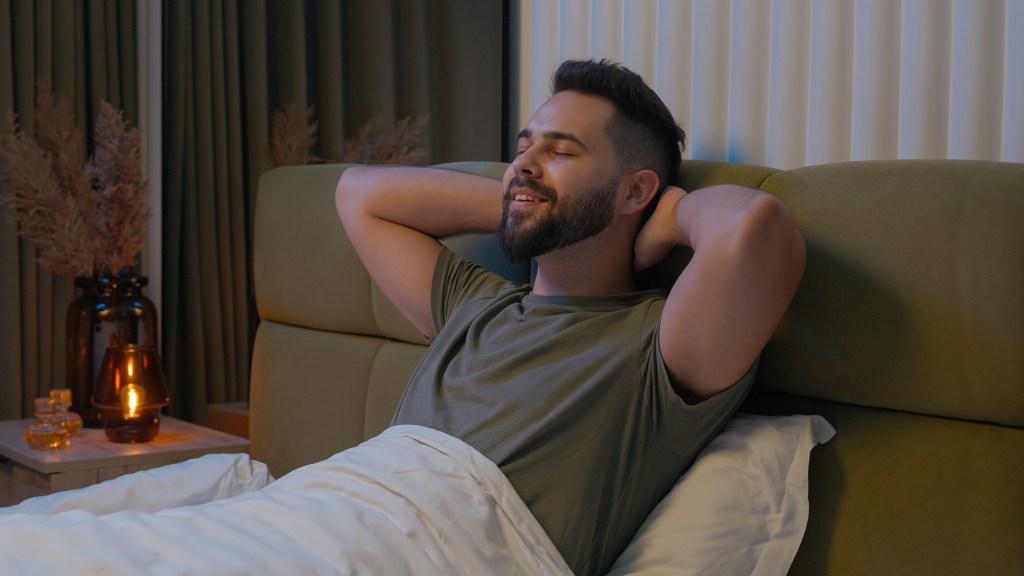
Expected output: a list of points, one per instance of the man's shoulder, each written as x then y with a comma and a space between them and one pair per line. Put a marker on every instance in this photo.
458, 281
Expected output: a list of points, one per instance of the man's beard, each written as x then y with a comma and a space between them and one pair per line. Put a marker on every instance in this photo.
523, 235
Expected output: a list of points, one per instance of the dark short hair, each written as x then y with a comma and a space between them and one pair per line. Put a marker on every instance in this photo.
644, 133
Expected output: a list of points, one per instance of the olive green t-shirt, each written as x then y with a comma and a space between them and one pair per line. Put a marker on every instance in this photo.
569, 396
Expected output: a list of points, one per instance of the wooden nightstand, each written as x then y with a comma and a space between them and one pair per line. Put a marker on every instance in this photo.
91, 458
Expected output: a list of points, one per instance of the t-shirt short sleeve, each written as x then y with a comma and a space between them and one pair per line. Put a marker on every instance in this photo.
458, 280
686, 425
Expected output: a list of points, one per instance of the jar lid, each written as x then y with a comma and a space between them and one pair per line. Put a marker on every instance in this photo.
44, 405
62, 396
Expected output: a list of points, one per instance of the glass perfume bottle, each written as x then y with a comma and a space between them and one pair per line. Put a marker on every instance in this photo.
45, 434
62, 411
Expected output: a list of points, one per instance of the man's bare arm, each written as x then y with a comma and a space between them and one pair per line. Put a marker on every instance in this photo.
394, 215
748, 259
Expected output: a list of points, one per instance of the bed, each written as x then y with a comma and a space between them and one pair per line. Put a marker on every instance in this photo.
410, 500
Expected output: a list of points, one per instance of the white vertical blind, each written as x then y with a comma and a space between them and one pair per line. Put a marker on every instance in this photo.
674, 66
788, 83
925, 78
788, 96
639, 26
830, 82
977, 70
876, 75
749, 77
708, 121
607, 27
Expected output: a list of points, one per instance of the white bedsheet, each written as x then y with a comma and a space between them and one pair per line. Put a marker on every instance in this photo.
410, 501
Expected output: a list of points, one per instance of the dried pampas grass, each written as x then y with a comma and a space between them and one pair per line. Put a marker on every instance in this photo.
293, 135
85, 218
374, 144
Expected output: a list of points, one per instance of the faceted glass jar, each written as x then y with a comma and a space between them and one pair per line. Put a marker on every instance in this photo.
44, 433
62, 411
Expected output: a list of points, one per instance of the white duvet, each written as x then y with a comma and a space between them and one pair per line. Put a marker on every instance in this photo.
410, 501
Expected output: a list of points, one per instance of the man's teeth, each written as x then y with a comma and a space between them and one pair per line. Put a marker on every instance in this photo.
525, 198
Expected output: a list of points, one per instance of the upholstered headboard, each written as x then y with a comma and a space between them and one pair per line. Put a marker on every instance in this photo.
912, 299
907, 334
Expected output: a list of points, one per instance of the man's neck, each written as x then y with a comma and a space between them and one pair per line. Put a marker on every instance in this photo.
593, 267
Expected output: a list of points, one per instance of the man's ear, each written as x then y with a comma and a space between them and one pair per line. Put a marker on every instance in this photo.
642, 186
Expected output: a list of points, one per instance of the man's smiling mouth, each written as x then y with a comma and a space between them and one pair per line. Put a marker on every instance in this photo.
524, 190
527, 198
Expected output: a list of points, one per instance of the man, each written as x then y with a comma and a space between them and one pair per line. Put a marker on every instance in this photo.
591, 397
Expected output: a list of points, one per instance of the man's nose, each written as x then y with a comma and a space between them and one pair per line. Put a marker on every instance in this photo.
525, 163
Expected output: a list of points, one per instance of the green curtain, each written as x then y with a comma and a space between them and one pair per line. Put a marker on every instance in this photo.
85, 51
228, 66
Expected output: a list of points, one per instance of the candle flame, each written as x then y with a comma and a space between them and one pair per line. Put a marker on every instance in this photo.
133, 399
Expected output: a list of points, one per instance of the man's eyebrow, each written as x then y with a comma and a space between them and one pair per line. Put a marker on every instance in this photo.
555, 135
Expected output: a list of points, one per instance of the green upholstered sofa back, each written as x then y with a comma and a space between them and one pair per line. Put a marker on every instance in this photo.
907, 333
913, 297
331, 353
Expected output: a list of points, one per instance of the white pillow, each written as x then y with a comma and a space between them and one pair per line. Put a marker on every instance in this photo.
741, 509
196, 481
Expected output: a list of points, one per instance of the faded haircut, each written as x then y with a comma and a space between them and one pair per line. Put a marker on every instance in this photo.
643, 131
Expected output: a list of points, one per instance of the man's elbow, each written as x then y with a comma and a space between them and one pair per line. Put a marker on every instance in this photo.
349, 191
778, 235
770, 240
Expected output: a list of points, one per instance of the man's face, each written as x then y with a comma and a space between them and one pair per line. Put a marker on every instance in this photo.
524, 234
562, 187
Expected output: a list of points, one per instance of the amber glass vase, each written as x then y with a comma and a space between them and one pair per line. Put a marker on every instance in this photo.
108, 311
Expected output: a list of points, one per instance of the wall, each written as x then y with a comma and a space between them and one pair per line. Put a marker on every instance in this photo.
795, 82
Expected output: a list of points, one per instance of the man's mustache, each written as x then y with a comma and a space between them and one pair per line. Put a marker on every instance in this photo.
530, 183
